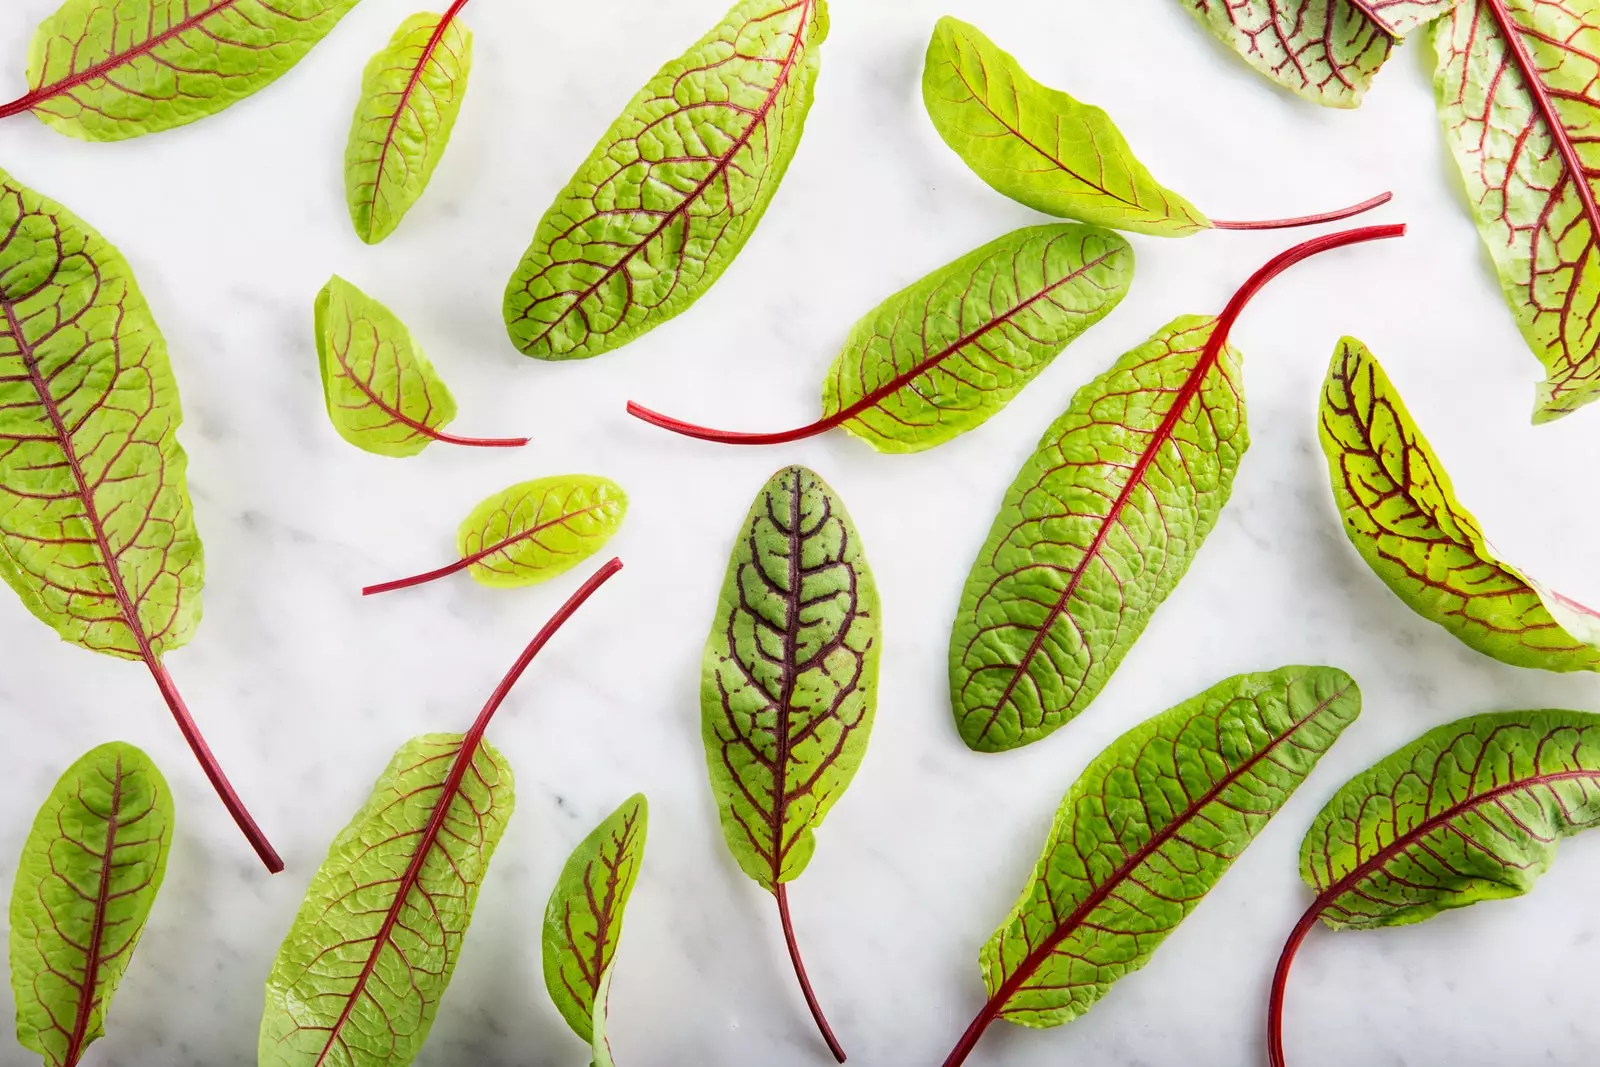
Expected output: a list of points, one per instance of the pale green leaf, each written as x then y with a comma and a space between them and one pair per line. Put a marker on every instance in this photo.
601, 1044
1399, 17
89, 873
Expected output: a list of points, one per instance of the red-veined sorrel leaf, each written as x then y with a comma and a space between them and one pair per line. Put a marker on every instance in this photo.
789, 684
383, 395
1401, 513
1102, 522
674, 189
1399, 17
97, 534
360, 975
1469, 811
531, 532
583, 921
90, 871
1045, 149
1518, 86
108, 71
1147, 830
411, 93
941, 356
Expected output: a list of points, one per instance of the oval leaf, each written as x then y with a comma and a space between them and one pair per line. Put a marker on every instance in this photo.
410, 96
1401, 513
89, 873
674, 189
105, 72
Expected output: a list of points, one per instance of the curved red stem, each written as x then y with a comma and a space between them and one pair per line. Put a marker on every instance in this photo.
1280, 977
733, 437
782, 893
478, 442
1308, 220
466, 561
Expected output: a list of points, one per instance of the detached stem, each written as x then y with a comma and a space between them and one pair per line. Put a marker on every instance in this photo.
1308, 220
782, 893
1280, 978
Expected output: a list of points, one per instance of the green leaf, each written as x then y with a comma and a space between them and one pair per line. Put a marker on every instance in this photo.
1401, 513
1399, 17
1097, 529
1518, 88
359, 977
89, 873
674, 189
105, 72
383, 395
1038, 145
410, 96
583, 921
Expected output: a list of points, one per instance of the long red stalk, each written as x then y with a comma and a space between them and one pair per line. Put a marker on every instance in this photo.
468, 560
1307, 220
782, 893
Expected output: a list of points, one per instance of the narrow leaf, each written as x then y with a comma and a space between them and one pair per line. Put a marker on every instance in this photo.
1469, 811
531, 532
1401, 513
383, 395
410, 96
583, 920
1518, 85
789, 680
1101, 524
1149, 828
97, 534
674, 189
105, 72
944, 354
89, 873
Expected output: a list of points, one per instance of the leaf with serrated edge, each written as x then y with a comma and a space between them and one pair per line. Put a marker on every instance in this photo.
1096, 530
108, 71
583, 921
1147, 830
89, 874
674, 189
1401, 513
1518, 87
411, 93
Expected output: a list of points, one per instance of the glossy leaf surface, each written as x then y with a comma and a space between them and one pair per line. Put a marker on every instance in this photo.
674, 189
411, 93
1401, 513
108, 71
89, 874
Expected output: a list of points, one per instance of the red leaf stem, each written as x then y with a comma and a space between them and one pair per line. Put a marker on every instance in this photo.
782, 893
1308, 220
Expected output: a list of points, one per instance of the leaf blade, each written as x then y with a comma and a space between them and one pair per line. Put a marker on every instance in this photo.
539, 529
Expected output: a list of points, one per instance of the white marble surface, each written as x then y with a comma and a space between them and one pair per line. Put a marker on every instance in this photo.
305, 689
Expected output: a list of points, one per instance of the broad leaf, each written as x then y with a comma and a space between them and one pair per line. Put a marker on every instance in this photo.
97, 535
531, 532
583, 921
89, 873
410, 96
105, 72
1518, 85
1401, 513
383, 395
674, 189
1149, 828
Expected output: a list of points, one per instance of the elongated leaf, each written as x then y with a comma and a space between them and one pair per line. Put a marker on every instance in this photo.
383, 395
531, 532
1149, 828
1401, 513
105, 72
90, 871
1518, 86
583, 920
97, 534
674, 189
410, 96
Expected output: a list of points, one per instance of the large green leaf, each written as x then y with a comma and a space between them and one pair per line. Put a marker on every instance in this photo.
583, 921
1147, 830
410, 96
107, 71
674, 189
1518, 85
1401, 513
89, 873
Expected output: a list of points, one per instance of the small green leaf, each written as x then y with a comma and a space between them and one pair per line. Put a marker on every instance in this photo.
674, 189
410, 96
89, 873
1401, 513
583, 921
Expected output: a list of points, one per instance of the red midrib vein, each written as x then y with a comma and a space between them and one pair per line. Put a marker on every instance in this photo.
91, 966
483, 553
1365, 7
791, 641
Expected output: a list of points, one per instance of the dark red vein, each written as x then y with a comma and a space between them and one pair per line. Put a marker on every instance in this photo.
97, 931
466, 561
470, 743
1366, 8
1307, 220
421, 427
